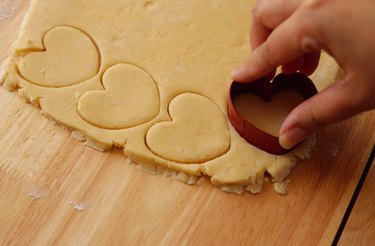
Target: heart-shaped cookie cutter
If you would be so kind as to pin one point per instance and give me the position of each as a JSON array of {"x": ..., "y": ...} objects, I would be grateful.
[{"x": 266, "y": 89}]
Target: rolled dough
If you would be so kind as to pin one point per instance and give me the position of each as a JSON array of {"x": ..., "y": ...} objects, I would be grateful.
[{"x": 151, "y": 77}]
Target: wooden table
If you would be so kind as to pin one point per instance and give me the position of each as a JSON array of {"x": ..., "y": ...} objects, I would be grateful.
[{"x": 55, "y": 190}]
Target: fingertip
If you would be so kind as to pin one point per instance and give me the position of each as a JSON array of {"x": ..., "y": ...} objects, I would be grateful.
[
  {"x": 243, "y": 74},
  {"x": 294, "y": 130},
  {"x": 285, "y": 142},
  {"x": 292, "y": 137},
  {"x": 236, "y": 73}
]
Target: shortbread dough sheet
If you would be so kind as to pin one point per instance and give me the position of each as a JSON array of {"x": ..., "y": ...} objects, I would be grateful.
[{"x": 151, "y": 77}]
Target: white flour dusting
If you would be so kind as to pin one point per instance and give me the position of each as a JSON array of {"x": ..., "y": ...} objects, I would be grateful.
[
  {"x": 334, "y": 151},
  {"x": 79, "y": 206},
  {"x": 37, "y": 194}
]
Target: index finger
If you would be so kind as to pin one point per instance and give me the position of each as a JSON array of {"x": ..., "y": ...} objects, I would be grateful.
[
  {"x": 293, "y": 38},
  {"x": 267, "y": 15}
]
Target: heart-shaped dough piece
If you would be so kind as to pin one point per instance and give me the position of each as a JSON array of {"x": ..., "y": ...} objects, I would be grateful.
[
  {"x": 70, "y": 57},
  {"x": 197, "y": 133},
  {"x": 130, "y": 98}
]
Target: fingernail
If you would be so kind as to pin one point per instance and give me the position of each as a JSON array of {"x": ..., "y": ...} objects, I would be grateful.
[{"x": 292, "y": 137}]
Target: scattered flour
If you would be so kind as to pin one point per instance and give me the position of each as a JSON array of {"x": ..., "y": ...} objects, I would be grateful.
[
  {"x": 334, "y": 151},
  {"x": 79, "y": 206},
  {"x": 37, "y": 194}
]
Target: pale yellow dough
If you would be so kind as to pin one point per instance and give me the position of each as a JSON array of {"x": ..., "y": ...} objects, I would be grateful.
[
  {"x": 70, "y": 59},
  {"x": 190, "y": 133},
  {"x": 122, "y": 103},
  {"x": 151, "y": 77}
]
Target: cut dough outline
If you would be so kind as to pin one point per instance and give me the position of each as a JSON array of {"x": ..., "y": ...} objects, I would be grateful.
[
  {"x": 28, "y": 51},
  {"x": 104, "y": 89},
  {"x": 30, "y": 39},
  {"x": 171, "y": 119}
]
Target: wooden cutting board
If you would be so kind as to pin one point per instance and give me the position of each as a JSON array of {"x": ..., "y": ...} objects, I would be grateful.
[{"x": 55, "y": 190}]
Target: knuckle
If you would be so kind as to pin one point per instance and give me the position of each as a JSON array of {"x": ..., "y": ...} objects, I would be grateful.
[
  {"x": 308, "y": 34},
  {"x": 309, "y": 44},
  {"x": 265, "y": 12},
  {"x": 312, "y": 23}
]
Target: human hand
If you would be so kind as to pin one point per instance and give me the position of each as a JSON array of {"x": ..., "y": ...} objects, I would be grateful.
[{"x": 292, "y": 33}]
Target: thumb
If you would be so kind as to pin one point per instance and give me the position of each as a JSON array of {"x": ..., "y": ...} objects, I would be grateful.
[{"x": 333, "y": 104}]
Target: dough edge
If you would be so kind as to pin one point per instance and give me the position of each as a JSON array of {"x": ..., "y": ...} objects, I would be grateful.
[
  {"x": 12, "y": 83},
  {"x": 254, "y": 184}
]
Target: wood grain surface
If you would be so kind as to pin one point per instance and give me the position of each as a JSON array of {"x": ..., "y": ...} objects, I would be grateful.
[
  {"x": 56, "y": 191},
  {"x": 360, "y": 228}
]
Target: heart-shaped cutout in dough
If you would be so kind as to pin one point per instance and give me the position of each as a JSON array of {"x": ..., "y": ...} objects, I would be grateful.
[
  {"x": 70, "y": 57},
  {"x": 267, "y": 116},
  {"x": 130, "y": 98},
  {"x": 258, "y": 123},
  {"x": 197, "y": 133}
]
